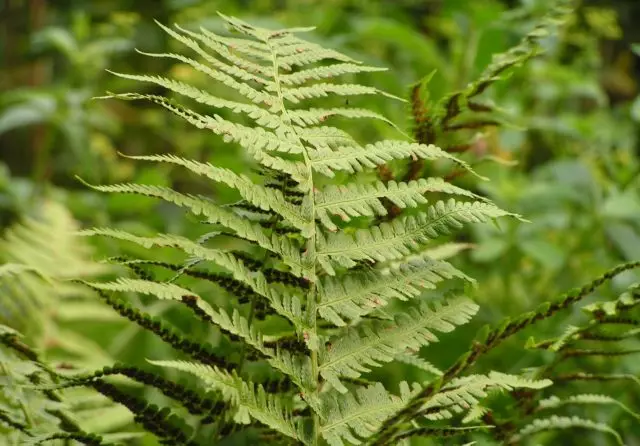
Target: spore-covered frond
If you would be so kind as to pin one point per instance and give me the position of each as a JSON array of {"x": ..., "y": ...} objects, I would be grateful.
[
  {"x": 251, "y": 399},
  {"x": 358, "y": 293},
  {"x": 352, "y": 416},
  {"x": 564, "y": 423},
  {"x": 370, "y": 345},
  {"x": 258, "y": 195},
  {"x": 396, "y": 239},
  {"x": 351, "y": 159},
  {"x": 325, "y": 72},
  {"x": 355, "y": 199},
  {"x": 250, "y": 231}
]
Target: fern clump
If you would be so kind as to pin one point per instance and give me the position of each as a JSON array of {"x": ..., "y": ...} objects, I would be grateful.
[
  {"x": 318, "y": 273},
  {"x": 323, "y": 256}
]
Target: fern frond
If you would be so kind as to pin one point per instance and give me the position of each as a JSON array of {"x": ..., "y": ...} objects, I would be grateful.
[
  {"x": 281, "y": 246},
  {"x": 461, "y": 394},
  {"x": 370, "y": 345},
  {"x": 260, "y": 196},
  {"x": 418, "y": 362},
  {"x": 398, "y": 238},
  {"x": 554, "y": 402},
  {"x": 269, "y": 409},
  {"x": 326, "y": 72},
  {"x": 563, "y": 423},
  {"x": 352, "y": 160},
  {"x": 354, "y": 199},
  {"x": 353, "y": 416},
  {"x": 356, "y": 294}
]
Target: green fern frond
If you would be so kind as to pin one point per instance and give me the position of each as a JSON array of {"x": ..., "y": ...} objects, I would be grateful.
[
  {"x": 461, "y": 394},
  {"x": 353, "y": 416},
  {"x": 354, "y": 199},
  {"x": 260, "y": 196},
  {"x": 369, "y": 345},
  {"x": 266, "y": 408},
  {"x": 290, "y": 256},
  {"x": 390, "y": 241},
  {"x": 326, "y": 72},
  {"x": 554, "y": 402},
  {"x": 563, "y": 423},
  {"x": 356, "y": 294},
  {"x": 352, "y": 160}
]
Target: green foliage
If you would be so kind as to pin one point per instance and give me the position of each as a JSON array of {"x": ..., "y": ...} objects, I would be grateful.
[{"x": 322, "y": 266}]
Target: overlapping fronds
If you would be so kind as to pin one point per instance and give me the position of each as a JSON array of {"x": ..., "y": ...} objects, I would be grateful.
[
  {"x": 317, "y": 256},
  {"x": 370, "y": 345}
]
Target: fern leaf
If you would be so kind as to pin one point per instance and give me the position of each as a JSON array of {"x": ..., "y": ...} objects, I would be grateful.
[
  {"x": 372, "y": 155},
  {"x": 462, "y": 394},
  {"x": 356, "y": 294},
  {"x": 319, "y": 90},
  {"x": 245, "y": 229},
  {"x": 269, "y": 409},
  {"x": 554, "y": 402},
  {"x": 354, "y": 199},
  {"x": 563, "y": 423},
  {"x": 370, "y": 345},
  {"x": 398, "y": 238},
  {"x": 418, "y": 362},
  {"x": 353, "y": 416},
  {"x": 325, "y": 72},
  {"x": 240, "y": 68},
  {"x": 254, "y": 140},
  {"x": 315, "y": 116},
  {"x": 261, "y": 116},
  {"x": 260, "y": 196},
  {"x": 281, "y": 301},
  {"x": 255, "y": 96}
]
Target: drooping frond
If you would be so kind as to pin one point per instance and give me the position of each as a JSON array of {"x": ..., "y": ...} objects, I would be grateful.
[
  {"x": 564, "y": 423},
  {"x": 370, "y": 345},
  {"x": 358, "y": 293},
  {"x": 267, "y": 408},
  {"x": 354, "y": 159},
  {"x": 396, "y": 239}
]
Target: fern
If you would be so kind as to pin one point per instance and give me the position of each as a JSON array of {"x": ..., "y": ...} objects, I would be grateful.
[
  {"x": 293, "y": 147},
  {"x": 36, "y": 299},
  {"x": 314, "y": 256}
]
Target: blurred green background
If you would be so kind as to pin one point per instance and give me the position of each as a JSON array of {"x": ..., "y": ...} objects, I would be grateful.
[{"x": 568, "y": 160}]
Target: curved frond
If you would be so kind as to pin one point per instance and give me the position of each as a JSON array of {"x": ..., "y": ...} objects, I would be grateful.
[
  {"x": 371, "y": 345},
  {"x": 564, "y": 423},
  {"x": 356, "y": 294},
  {"x": 267, "y": 408},
  {"x": 398, "y": 238},
  {"x": 352, "y": 160},
  {"x": 355, "y": 200}
]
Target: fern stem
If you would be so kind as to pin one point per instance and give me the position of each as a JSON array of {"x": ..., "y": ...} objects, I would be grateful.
[{"x": 310, "y": 252}]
